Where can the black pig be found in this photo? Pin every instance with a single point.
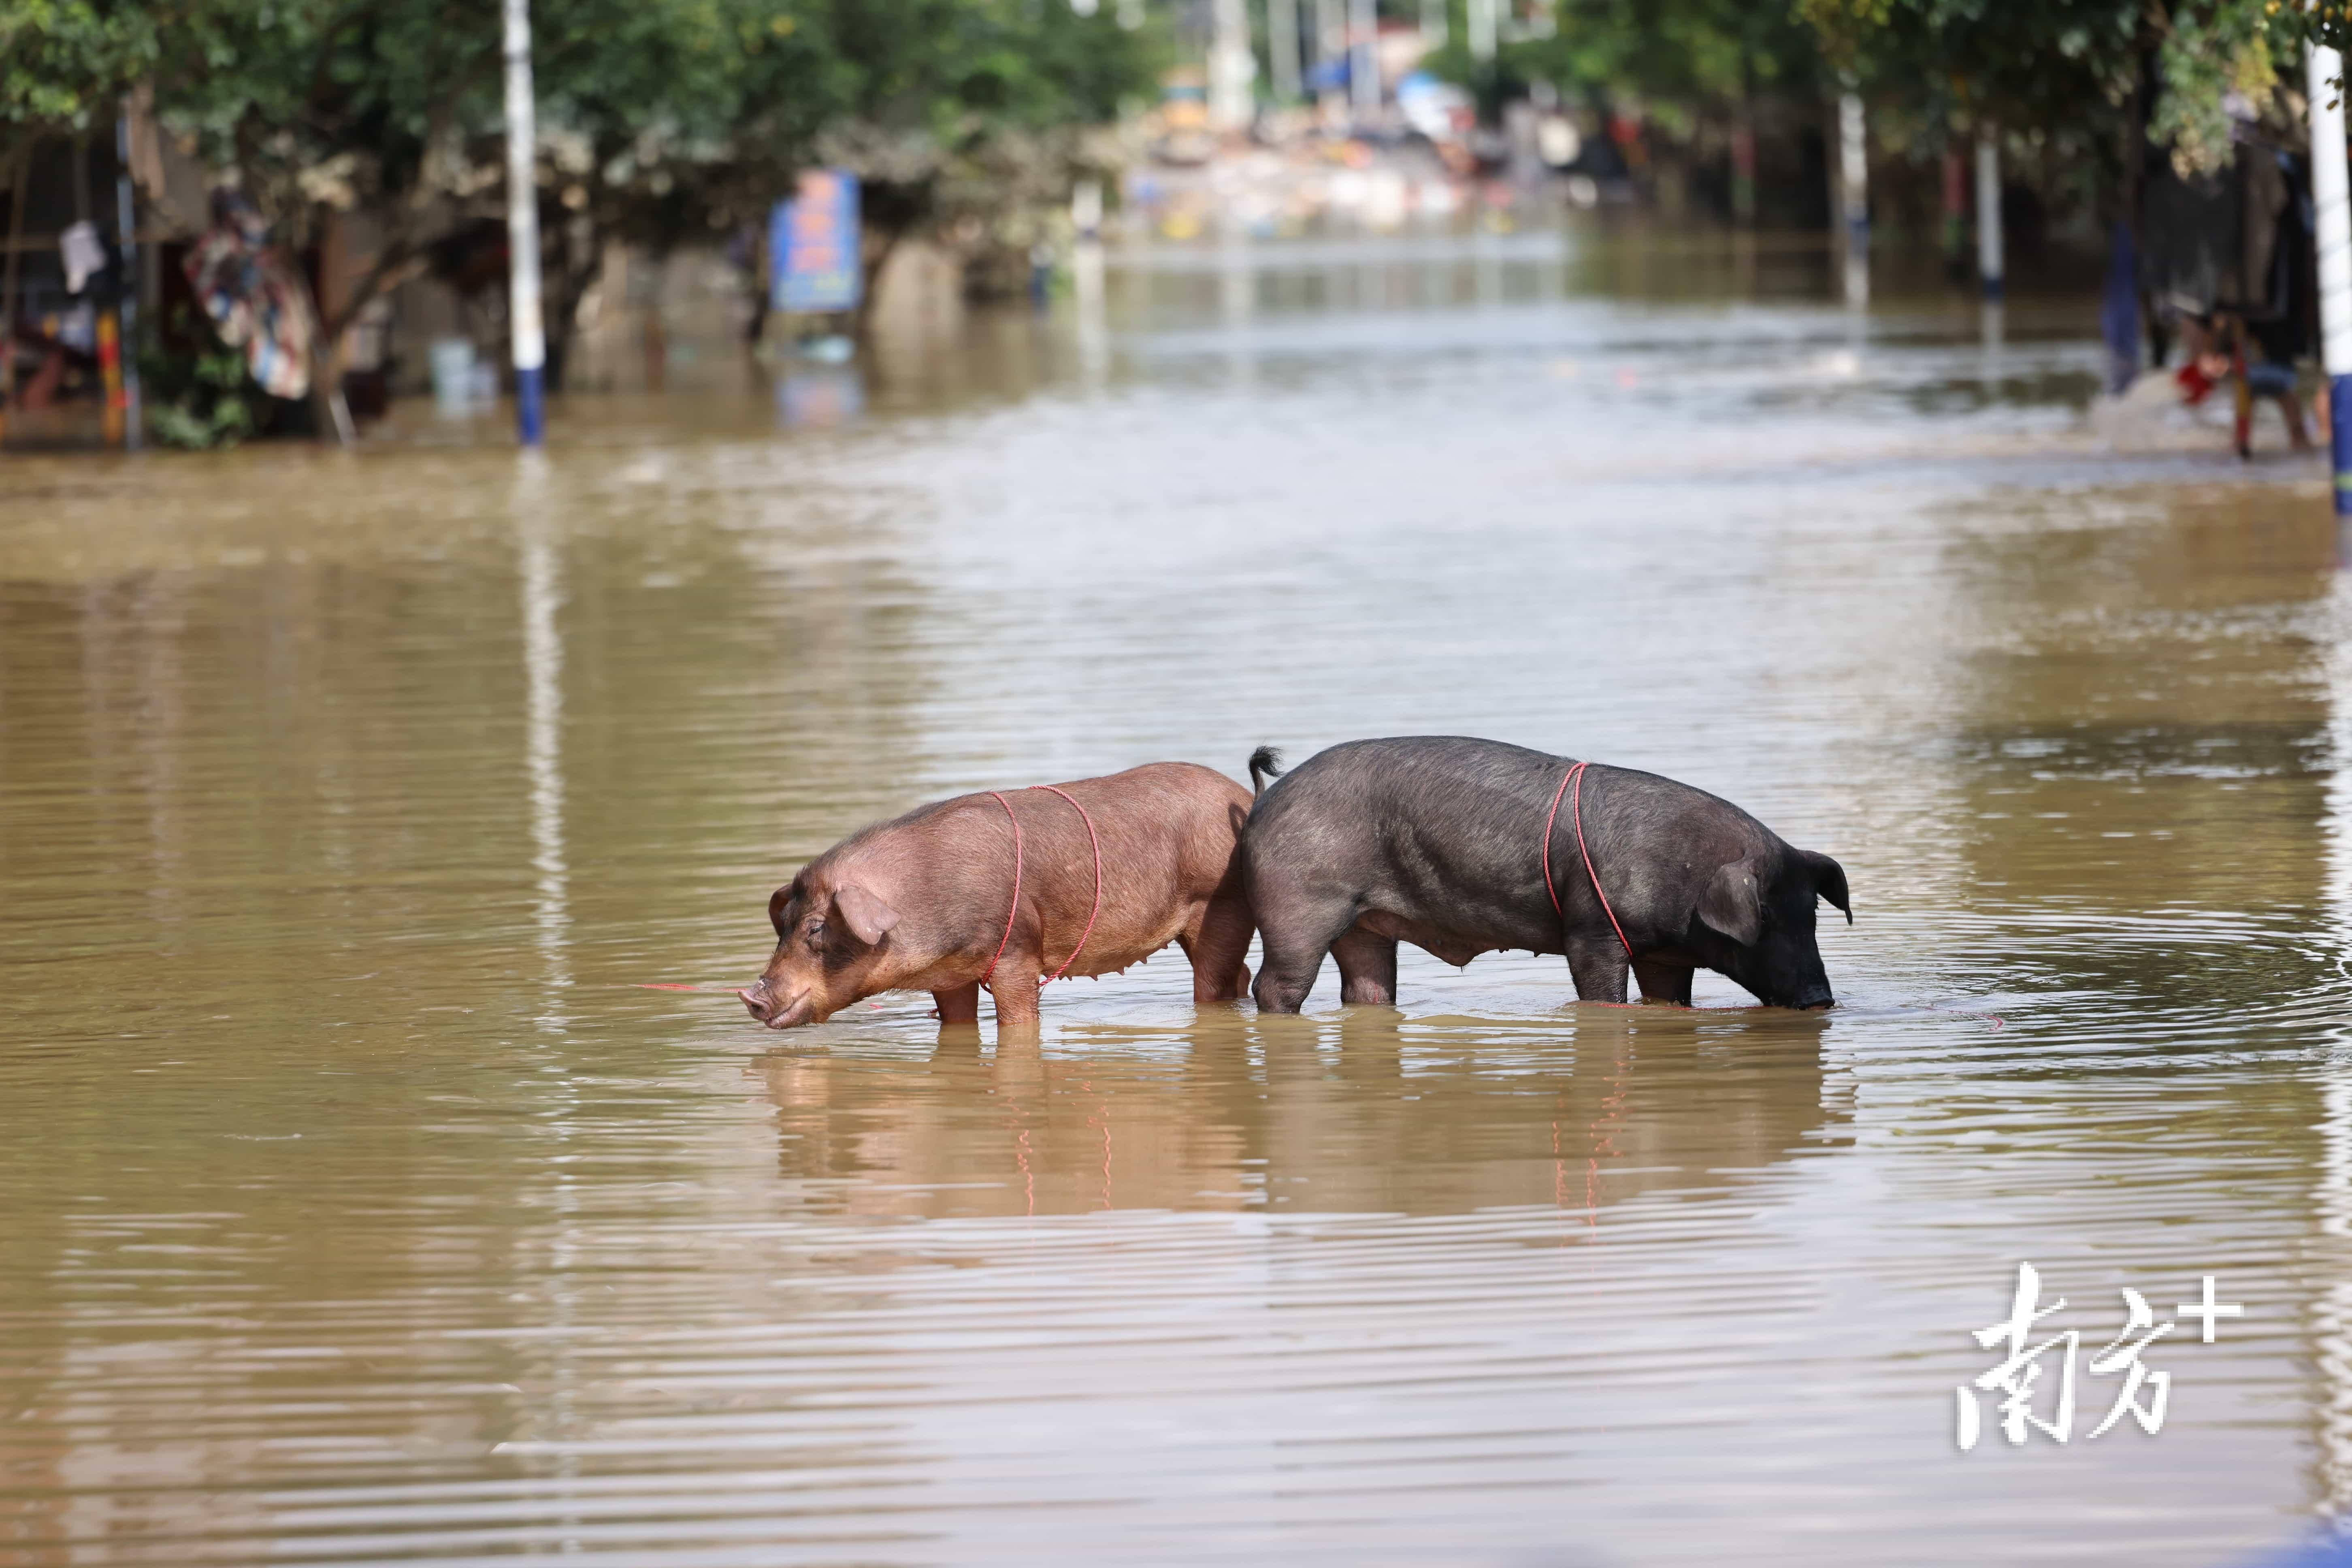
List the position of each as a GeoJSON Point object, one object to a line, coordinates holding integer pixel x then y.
{"type": "Point", "coordinates": [1440, 841]}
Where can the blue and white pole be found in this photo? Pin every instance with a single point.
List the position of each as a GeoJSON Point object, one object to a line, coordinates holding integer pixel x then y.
{"type": "Point", "coordinates": [522, 232]}
{"type": "Point", "coordinates": [1854, 194]}
{"type": "Point", "coordinates": [2333, 213]}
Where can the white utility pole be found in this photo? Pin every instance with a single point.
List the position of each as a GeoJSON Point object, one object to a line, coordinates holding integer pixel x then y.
{"type": "Point", "coordinates": [1853, 195]}
{"type": "Point", "coordinates": [1330, 43]}
{"type": "Point", "coordinates": [1364, 60]}
{"type": "Point", "coordinates": [1989, 240]}
{"type": "Point", "coordinates": [1282, 49]}
{"type": "Point", "coordinates": [1478, 27]}
{"type": "Point", "coordinates": [2334, 222]}
{"type": "Point", "coordinates": [1231, 66]}
{"type": "Point", "coordinates": [523, 319]}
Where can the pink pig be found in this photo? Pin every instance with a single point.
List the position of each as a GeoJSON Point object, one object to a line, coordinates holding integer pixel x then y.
{"type": "Point", "coordinates": [1101, 874]}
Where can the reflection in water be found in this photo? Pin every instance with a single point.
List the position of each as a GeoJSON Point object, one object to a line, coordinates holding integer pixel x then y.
{"type": "Point", "coordinates": [542, 647]}
{"type": "Point", "coordinates": [1374, 1111]}
{"type": "Point", "coordinates": [361, 1208]}
{"type": "Point", "coordinates": [543, 653]}
{"type": "Point", "coordinates": [819, 397]}
{"type": "Point", "coordinates": [1092, 324]}
{"type": "Point", "coordinates": [2331, 1311]}
{"type": "Point", "coordinates": [1236, 301]}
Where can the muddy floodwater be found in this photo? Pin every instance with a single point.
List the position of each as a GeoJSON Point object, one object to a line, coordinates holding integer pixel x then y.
{"type": "Point", "coordinates": [357, 1204]}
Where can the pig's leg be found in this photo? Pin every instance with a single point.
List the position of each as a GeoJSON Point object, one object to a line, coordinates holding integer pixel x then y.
{"type": "Point", "coordinates": [960, 1005]}
{"type": "Point", "coordinates": [1664, 983]}
{"type": "Point", "coordinates": [1014, 988]}
{"type": "Point", "coordinates": [1366, 967]}
{"type": "Point", "coordinates": [1217, 949]}
{"type": "Point", "coordinates": [1598, 968]}
{"type": "Point", "coordinates": [1295, 945]}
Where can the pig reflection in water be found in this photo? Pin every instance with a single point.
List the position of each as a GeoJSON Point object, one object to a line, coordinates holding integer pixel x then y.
{"type": "Point", "coordinates": [1002, 888]}
{"type": "Point", "coordinates": [1369, 1112]}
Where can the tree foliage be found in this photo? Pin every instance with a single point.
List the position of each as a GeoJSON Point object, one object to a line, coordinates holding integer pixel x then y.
{"type": "Point", "coordinates": [654, 114]}
{"type": "Point", "coordinates": [2057, 66]}
{"type": "Point", "coordinates": [956, 114]}
{"type": "Point", "coordinates": [64, 63]}
{"type": "Point", "coordinates": [658, 119]}
{"type": "Point", "coordinates": [1682, 58]}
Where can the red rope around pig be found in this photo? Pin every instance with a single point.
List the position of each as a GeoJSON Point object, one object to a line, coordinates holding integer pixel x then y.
{"type": "Point", "coordinates": [1013, 914]}
{"type": "Point", "coordinates": [1576, 805]}
{"type": "Point", "coordinates": [1096, 909]}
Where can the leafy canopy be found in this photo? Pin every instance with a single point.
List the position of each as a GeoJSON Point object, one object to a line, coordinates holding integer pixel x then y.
{"type": "Point", "coordinates": [2061, 66]}
{"type": "Point", "coordinates": [64, 63]}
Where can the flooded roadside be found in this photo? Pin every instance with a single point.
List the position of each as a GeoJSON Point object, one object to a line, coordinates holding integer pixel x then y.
{"type": "Point", "coordinates": [361, 1209]}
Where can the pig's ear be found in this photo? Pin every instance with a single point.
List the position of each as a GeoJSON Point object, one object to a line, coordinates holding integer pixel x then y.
{"type": "Point", "coordinates": [1733, 903]}
{"type": "Point", "coordinates": [866, 916]}
{"type": "Point", "coordinates": [776, 903]}
{"type": "Point", "coordinates": [1829, 880]}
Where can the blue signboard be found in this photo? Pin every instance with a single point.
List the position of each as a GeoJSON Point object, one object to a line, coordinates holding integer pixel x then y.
{"type": "Point", "coordinates": [813, 259]}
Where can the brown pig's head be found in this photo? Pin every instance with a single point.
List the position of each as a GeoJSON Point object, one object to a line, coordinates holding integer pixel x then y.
{"type": "Point", "coordinates": [833, 947]}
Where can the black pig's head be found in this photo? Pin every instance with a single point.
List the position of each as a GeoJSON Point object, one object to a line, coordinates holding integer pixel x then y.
{"type": "Point", "coordinates": [1755, 924]}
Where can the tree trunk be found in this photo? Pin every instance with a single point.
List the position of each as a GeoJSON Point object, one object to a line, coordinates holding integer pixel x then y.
{"type": "Point", "coordinates": [334, 417]}
{"type": "Point", "coordinates": [327, 407]}
{"type": "Point", "coordinates": [763, 289]}
{"type": "Point", "coordinates": [331, 419]}
{"type": "Point", "coordinates": [391, 265]}
{"type": "Point", "coordinates": [327, 339]}
{"type": "Point", "coordinates": [862, 322]}
{"type": "Point", "coordinates": [1743, 143]}
{"type": "Point", "coordinates": [572, 281]}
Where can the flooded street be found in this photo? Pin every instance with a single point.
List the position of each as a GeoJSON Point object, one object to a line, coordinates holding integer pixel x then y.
{"type": "Point", "coordinates": [361, 1206]}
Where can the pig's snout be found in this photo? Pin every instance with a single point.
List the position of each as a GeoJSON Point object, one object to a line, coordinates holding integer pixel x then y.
{"type": "Point", "coordinates": [1810, 995]}
{"type": "Point", "coordinates": [765, 1008]}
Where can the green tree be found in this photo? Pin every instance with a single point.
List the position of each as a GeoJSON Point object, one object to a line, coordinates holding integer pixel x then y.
{"type": "Point", "coordinates": [64, 64]}
{"type": "Point", "coordinates": [657, 118]}
{"type": "Point", "coordinates": [956, 112]}
{"type": "Point", "coordinates": [1687, 59]}
{"type": "Point", "coordinates": [2168, 72]}
{"type": "Point", "coordinates": [1699, 72]}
